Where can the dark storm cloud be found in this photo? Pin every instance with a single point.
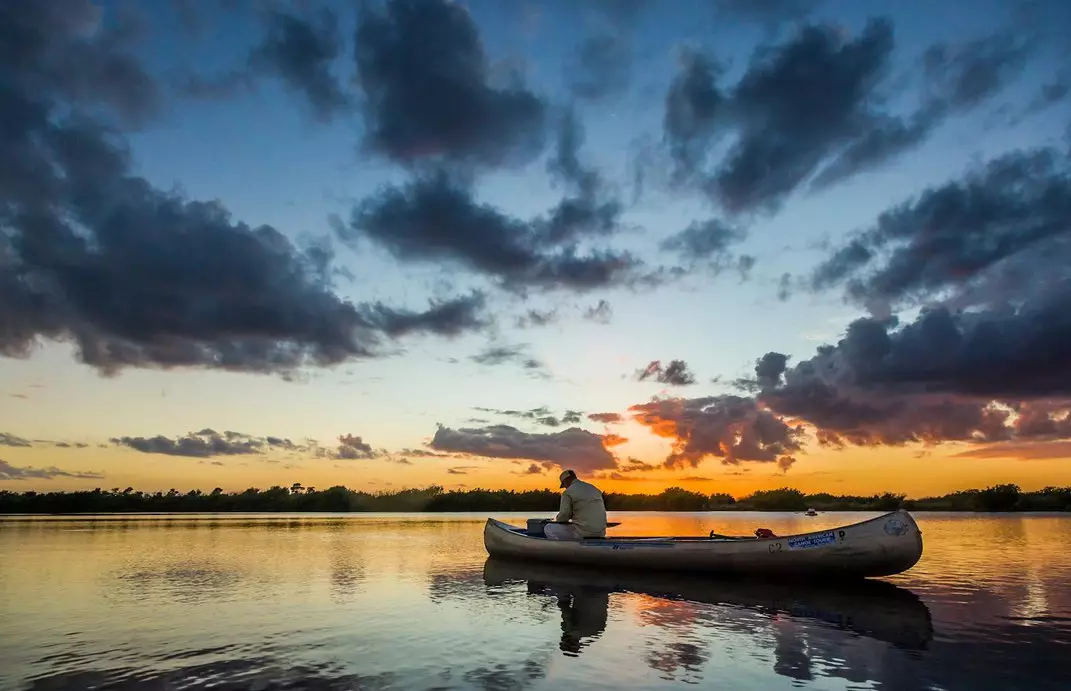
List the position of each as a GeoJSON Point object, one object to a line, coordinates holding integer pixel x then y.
{"type": "Point", "coordinates": [11, 472]}
{"type": "Point", "coordinates": [11, 440]}
{"type": "Point", "coordinates": [61, 50]}
{"type": "Point", "coordinates": [810, 108]}
{"type": "Point", "coordinates": [204, 444]}
{"type": "Point", "coordinates": [676, 373]}
{"type": "Point", "coordinates": [132, 275]}
{"type": "Point", "coordinates": [732, 428]}
{"type": "Point", "coordinates": [606, 418]}
{"type": "Point", "coordinates": [428, 91]}
{"type": "Point", "coordinates": [434, 218]}
{"type": "Point", "coordinates": [998, 374]}
{"type": "Point", "coordinates": [300, 51]}
{"type": "Point", "coordinates": [1000, 233]}
{"type": "Point", "coordinates": [956, 79]}
{"type": "Point", "coordinates": [602, 312]}
{"type": "Point", "coordinates": [796, 104]}
{"type": "Point", "coordinates": [694, 111]}
{"type": "Point", "coordinates": [573, 448]}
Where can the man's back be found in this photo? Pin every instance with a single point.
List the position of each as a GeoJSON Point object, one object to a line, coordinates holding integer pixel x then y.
{"type": "Point", "coordinates": [588, 510]}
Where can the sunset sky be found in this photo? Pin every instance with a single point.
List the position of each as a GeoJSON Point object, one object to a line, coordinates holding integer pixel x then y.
{"type": "Point", "coordinates": [718, 244]}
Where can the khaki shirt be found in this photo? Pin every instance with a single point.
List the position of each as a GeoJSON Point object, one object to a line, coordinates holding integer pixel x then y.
{"type": "Point", "coordinates": [582, 504]}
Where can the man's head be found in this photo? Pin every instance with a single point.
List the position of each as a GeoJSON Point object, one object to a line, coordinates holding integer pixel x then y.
{"type": "Point", "coordinates": [566, 478]}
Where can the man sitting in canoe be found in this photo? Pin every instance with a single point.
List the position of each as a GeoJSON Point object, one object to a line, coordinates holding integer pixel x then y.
{"type": "Point", "coordinates": [582, 512]}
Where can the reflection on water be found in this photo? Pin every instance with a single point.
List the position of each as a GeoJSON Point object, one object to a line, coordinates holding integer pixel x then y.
{"type": "Point", "coordinates": [413, 602]}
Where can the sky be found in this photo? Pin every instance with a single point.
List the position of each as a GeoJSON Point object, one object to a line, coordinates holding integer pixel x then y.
{"type": "Point", "coordinates": [722, 245]}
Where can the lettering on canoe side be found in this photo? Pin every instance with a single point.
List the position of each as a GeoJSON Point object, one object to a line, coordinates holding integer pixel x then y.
{"type": "Point", "coordinates": [815, 540]}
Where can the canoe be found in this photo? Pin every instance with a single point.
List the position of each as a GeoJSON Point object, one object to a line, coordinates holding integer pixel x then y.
{"type": "Point", "coordinates": [872, 608]}
{"type": "Point", "coordinates": [881, 546]}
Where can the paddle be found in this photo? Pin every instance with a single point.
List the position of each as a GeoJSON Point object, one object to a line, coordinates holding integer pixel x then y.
{"type": "Point", "coordinates": [611, 524]}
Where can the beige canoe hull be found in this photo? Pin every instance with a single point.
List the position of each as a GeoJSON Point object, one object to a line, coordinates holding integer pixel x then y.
{"type": "Point", "coordinates": [882, 546]}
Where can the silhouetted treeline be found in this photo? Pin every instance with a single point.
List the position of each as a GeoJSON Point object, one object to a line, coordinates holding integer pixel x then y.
{"type": "Point", "coordinates": [341, 499]}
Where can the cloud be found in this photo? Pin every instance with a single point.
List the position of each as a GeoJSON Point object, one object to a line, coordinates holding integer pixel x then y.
{"type": "Point", "coordinates": [131, 275]}
{"type": "Point", "coordinates": [506, 354]}
{"type": "Point", "coordinates": [351, 447]}
{"type": "Point", "coordinates": [443, 317]}
{"type": "Point", "coordinates": [620, 477]}
{"type": "Point", "coordinates": [995, 235]}
{"type": "Point", "coordinates": [981, 377]}
{"type": "Point", "coordinates": [1020, 450]}
{"type": "Point", "coordinates": [601, 65]}
{"type": "Point", "coordinates": [10, 472]}
{"type": "Point", "coordinates": [694, 111]}
{"type": "Point", "coordinates": [541, 415]}
{"type": "Point", "coordinates": [783, 137]}
{"type": "Point", "coordinates": [590, 208]}
{"type": "Point", "coordinates": [204, 444]}
{"type": "Point", "coordinates": [434, 218]}
{"type": "Point", "coordinates": [300, 51]}
{"type": "Point", "coordinates": [703, 239]}
{"type": "Point", "coordinates": [428, 92]}
{"type": "Point", "coordinates": [573, 448]}
{"type": "Point", "coordinates": [607, 418]}
{"type": "Point", "coordinates": [635, 465]}
{"type": "Point", "coordinates": [676, 373]}
{"type": "Point", "coordinates": [534, 317]}
{"type": "Point", "coordinates": [422, 453]}
{"type": "Point", "coordinates": [731, 428]}
{"type": "Point", "coordinates": [709, 243]}
{"type": "Point", "coordinates": [785, 131]}
{"type": "Point", "coordinates": [956, 78]}
{"type": "Point", "coordinates": [461, 469]}
{"type": "Point", "coordinates": [601, 313]}
{"type": "Point", "coordinates": [11, 440]}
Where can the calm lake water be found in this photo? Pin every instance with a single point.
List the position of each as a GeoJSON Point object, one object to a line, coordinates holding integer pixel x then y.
{"type": "Point", "coordinates": [412, 602]}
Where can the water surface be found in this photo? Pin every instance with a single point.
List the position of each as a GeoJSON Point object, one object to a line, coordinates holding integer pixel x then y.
{"type": "Point", "coordinates": [411, 602]}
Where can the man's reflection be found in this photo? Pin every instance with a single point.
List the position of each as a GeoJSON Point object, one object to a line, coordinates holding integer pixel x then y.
{"type": "Point", "coordinates": [584, 609]}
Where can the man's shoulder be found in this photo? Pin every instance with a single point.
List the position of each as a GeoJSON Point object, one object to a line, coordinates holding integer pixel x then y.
{"type": "Point", "coordinates": [584, 487]}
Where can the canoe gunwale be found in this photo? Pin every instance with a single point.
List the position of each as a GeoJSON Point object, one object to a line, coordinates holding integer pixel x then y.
{"type": "Point", "coordinates": [521, 532]}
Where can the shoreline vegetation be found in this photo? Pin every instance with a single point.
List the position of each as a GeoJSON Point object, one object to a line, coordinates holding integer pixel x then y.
{"type": "Point", "coordinates": [434, 499]}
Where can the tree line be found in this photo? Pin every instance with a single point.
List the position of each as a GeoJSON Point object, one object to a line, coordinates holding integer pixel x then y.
{"type": "Point", "coordinates": [297, 498]}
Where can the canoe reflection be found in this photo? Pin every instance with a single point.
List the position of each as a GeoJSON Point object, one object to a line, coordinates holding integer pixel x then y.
{"type": "Point", "coordinates": [874, 609]}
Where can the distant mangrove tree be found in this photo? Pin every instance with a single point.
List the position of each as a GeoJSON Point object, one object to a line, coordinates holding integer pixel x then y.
{"type": "Point", "coordinates": [297, 498]}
